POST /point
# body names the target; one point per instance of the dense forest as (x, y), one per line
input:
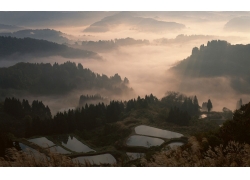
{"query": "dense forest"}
(11, 46)
(103, 45)
(218, 59)
(92, 99)
(25, 120)
(19, 117)
(58, 79)
(181, 38)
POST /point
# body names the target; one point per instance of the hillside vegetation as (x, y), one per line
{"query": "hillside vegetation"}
(218, 59)
(58, 79)
(14, 47)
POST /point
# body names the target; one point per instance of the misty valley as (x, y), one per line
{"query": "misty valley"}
(124, 89)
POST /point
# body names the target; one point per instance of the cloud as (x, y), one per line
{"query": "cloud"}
(184, 39)
(134, 22)
(193, 16)
(241, 85)
(51, 18)
(8, 28)
(238, 24)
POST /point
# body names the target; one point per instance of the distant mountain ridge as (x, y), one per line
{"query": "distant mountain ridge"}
(11, 46)
(135, 22)
(44, 34)
(7, 27)
(106, 45)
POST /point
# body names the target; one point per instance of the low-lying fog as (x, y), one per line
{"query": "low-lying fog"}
(146, 66)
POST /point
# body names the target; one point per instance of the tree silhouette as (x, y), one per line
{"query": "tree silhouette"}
(209, 105)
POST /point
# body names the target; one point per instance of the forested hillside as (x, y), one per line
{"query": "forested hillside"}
(105, 45)
(58, 79)
(45, 34)
(109, 125)
(37, 119)
(11, 46)
(218, 59)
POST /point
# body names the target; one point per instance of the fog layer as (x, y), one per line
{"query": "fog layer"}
(147, 65)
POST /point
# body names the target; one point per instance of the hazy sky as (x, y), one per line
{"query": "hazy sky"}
(146, 66)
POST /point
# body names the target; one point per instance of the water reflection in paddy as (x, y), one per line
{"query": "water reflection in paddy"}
(173, 145)
(151, 131)
(42, 141)
(27, 148)
(144, 141)
(102, 158)
(31, 151)
(58, 149)
(77, 146)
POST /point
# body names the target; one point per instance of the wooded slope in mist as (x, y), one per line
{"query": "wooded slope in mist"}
(218, 59)
(57, 79)
(45, 34)
(11, 46)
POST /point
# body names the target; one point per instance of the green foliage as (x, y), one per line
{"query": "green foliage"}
(218, 59)
(163, 113)
(92, 99)
(17, 109)
(141, 103)
(103, 45)
(237, 129)
(227, 113)
(184, 103)
(14, 107)
(57, 79)
(178, 117)
(21, 119)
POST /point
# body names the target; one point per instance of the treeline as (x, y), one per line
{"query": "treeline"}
(36, 118)
(20, 109)
(23, 119)
(91, 99)
(141, 102)
(112, 44)
(181, 101)
(45, 34)
(23, 46)
(91, 116)
(218, 59)
(181, 38)
(181, 107)
(58, 78)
